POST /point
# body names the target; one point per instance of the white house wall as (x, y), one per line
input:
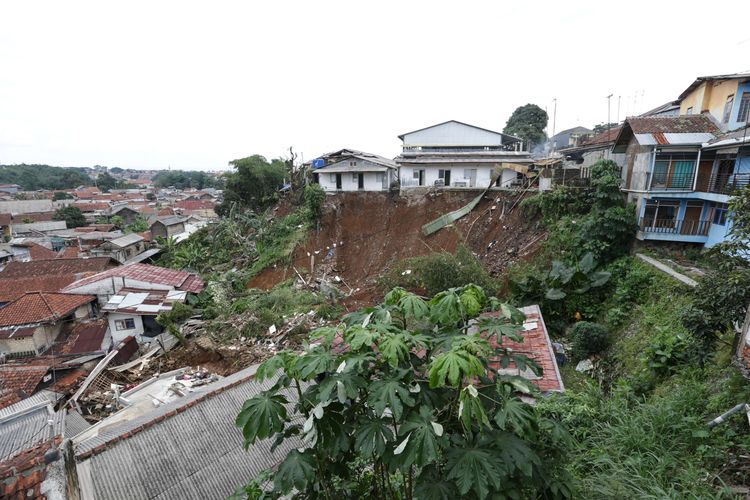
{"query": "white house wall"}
(453, 134)
(119, 335)
(349, 181)
(485, 175)
(105, 288)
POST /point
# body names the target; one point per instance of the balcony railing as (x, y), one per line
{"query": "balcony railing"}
(662, 180)
(727, 183)
(675, 226)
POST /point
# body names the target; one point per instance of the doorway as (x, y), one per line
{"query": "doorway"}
(360, 181)
(338, 182)
(446, 176)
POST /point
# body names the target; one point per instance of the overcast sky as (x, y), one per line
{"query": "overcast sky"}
(193, 85)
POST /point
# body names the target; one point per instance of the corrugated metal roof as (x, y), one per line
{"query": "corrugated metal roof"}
(195, 453)
(25, 429)
(673, 139)
(128, 239)
(75, 424)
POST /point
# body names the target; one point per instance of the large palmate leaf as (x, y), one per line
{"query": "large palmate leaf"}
(372, 436)
(314, 362)
(448, 368)
(390, 393)
(393, 348)
(358, 337)
(514, 314)
(470, 409)
(326, 334)
(421, 436)
(474, 466)
(413, 307)
(446, 308)
(394, 296)
(555, 294)
(296, 471)
(472, 299)
(262, 416)
(514, 414)
(281, 361)
(587, 264)
(515, 453)
(343, 386)
(432, 485)
(561, 273)
(499, 327)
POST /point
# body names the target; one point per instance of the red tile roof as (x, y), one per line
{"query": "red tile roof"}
(5, 219)
(179, 280)
(165, 211)
(537, 346)
(56, 267)
(41, 307)
(68, 253)
(92, 207)
(34, 217)
(19, 382)
(195, 204)
(14, 288)
(37, 251)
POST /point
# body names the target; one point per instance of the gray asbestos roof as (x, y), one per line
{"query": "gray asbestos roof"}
(188, 448)
(25, 425)
(170, 220)
(128, 239)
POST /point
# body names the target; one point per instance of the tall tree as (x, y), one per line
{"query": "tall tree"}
(528, 122)
(254, 183)
(72, 216)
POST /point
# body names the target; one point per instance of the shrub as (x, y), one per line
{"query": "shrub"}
(588, 339)
(314, 198)
(439, 271)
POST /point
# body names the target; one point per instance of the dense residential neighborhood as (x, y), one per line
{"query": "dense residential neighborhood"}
(132, 331)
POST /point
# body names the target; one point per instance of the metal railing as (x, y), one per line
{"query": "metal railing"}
(727, 183)
(663, 180)
(675, 226)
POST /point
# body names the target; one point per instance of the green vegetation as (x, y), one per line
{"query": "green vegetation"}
(72, 216)
(139, 225)
(314, 196)
(439, 271)
(588, 339)
(254, 183)
(528, 122)
(388, 423)
(105, 182)
(186, 179)
(34, 177)
(61, 195)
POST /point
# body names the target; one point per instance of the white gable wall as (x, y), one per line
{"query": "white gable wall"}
(459, 175)
(453, 134)
(372, 181)
(105, 288)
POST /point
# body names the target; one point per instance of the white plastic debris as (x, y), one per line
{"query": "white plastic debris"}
(408, 271)
(585, 365)
(272, 329)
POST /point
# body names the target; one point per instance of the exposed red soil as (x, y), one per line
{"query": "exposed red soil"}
(362, 234)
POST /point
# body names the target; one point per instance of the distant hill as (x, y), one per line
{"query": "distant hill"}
(182, 179)
(33, 177)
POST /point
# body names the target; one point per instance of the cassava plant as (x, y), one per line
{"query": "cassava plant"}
(404, 400)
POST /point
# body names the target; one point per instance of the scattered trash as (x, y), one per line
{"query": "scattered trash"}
(585, 365)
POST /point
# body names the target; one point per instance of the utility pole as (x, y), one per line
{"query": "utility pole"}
(554, 121)
(609, 99)
(618, 108)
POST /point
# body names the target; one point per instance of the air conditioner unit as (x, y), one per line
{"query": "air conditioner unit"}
(440, 182)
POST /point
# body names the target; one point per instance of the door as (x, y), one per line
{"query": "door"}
(338, 182)
(445, 175)
(691, 223)
(360, 180)
(682, 176)
(421, 177)
(471, 175)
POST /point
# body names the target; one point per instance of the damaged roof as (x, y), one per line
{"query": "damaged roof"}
(17, 382)
(86, 337)
(179, 280)
(187, 448)
(537, 346)
(13, 288)
(666, 130)
(143, 302)
(56, 267)
(41, 307)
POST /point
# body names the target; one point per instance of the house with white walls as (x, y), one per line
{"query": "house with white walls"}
(352, 170)
(453, 154)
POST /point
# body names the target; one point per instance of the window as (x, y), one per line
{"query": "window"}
(744, 111)
(352, 163)
(379, 176)
(355, 177)
(415, 174)
(332, 177)
(124, 324)
(728, 109)
(720, 214)
(689, 111)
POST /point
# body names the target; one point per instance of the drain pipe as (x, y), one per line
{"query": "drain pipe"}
(742, 407)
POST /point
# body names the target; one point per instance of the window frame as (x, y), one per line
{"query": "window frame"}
(122, 324)
(744, 108)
